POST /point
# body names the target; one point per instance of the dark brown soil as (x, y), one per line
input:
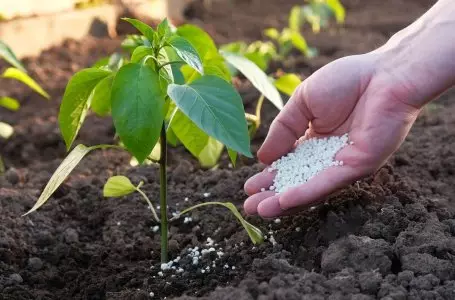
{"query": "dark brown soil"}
(390, 236)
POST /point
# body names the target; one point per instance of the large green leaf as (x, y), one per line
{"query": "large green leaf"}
(288, 83)
(14, 73)
(9, 103)
(100, 101)
(6, 130)
(187, 52)
(137, 108)
(7, 54)
(254, 233)
(62, 172)
(118, 186)
(257, 77)
(192, 137)
(143, 28)
(211, 153)
(76, 101)
(215, 107)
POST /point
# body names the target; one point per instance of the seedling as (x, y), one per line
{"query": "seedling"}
(318, 13)
(175, 83)
(16, 72)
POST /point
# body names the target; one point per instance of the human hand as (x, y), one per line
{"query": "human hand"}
(351, 95)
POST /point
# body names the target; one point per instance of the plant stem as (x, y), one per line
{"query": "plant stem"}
(168, 63)
(163, 195)
(152, 209)
(258, 109)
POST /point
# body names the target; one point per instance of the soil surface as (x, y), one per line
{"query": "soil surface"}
(389, 236)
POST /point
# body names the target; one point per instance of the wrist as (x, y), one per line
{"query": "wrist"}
(419, 60)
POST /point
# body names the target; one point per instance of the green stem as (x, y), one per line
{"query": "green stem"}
(258, 110)
(163, 195)
(152, 209)
(168, 63)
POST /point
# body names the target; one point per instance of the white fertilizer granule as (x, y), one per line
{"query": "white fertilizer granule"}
(308, 159)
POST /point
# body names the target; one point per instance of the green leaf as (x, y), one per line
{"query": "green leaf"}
(62, 172)
(143, 28)
(140, 52)
(258, 59)
(235, 47)
(200, 40)
(101, 63)
(172, 138)
(288, 83)
(118, 186)
(211, 153)
(173, 69)
(215, 107)
(14, 73)
(338, 9)
(300, 43)
(9, 103)
(187, 52)
(254, 233)
(76, 101)
(192, 137)
(257, 77)
(232, 156)
(6, 130)
(295, 18)
(133, 41)
(115, 61)
(164, 30)
(137, 108)
(100, 101)
(272, 33)
(7, 54)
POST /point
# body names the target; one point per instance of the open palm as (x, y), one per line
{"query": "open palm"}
(347, 96)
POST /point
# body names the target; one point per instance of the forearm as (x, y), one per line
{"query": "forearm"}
(421, 57)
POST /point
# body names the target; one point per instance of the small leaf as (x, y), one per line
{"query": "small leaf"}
(272, 33)
(257, 77)
(118, 186)
(187, 52)
(137, 108)
(338, 9)
(232, 156)
(215, 107)
(211, 153)
(288, 83)
(6, 130)
(133, 41)
(75, 102)
(7, 54)
(295, 18)
(62, 172)
(164, 30)
(254, 233)
(300, 43)
(143, 28)
(140, 52)
(14, 73)
(10, 103)
(100, 101)
(101, 63)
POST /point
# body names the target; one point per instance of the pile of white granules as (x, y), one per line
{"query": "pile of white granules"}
(308, 159)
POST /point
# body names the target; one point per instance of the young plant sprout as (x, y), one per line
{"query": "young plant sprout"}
(16, 72)
(175, 85)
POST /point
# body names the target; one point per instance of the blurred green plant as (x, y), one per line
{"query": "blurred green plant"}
(16, 72)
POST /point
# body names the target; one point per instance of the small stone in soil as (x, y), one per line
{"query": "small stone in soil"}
(277, 221)
(206, 195)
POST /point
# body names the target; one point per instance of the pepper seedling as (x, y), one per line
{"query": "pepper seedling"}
(175, 83)
(19, 73)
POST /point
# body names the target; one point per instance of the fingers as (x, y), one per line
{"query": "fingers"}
(259, 181)
(290, 124)
(251, 204)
